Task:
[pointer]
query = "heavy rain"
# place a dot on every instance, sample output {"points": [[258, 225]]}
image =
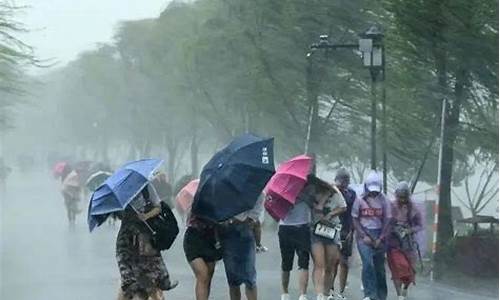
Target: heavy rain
{"points": [[211, 149]]}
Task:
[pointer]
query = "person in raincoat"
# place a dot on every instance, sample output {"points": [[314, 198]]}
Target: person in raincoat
{"points": [[371, 213], [142, 270], [328, 204], [402, 251], [341, 265]]}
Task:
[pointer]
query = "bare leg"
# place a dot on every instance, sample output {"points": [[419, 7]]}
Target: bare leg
{"points": [[303, 281], [234, 293], [158, 295], [120, 295], [203, 272], [397, 285], [257, 231], [344, 271], [331, 255], [335, 271], [318, 255], [251, 293], [285, 281]]}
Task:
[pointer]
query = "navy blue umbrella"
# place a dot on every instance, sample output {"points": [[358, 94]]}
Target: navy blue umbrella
{"points": [[231, 182]]}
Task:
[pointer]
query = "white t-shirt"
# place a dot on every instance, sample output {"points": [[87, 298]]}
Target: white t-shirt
{"points": [[300, 214]]}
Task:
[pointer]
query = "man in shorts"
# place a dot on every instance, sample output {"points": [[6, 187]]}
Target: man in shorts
{"points": [[294, 235]]}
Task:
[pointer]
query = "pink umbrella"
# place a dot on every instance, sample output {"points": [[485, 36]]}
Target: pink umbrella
{"points": [[284, 187], [185, 197], [58, 168]]}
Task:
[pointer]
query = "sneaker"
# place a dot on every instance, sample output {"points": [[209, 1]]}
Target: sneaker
{"points": [[285, 297], [303, 297], [340, 297], [321, 297], [262, 249], [367, 298], [401, 298]]}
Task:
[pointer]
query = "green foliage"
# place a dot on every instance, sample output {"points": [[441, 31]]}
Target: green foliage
{"points": [[14, 56], [216, 68]]}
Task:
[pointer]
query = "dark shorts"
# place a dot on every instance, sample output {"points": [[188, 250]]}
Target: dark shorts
{"points": [[200, 243], [238, 244], [294, 240]]}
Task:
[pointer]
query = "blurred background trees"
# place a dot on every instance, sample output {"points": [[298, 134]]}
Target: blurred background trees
{"points": [[181, 85]]}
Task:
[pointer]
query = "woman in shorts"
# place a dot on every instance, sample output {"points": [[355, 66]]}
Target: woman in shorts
{"points": [[202, 251], [327, 206]]}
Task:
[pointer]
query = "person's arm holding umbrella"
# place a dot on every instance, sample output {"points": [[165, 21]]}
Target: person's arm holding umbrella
{"points": [[154, 199]]}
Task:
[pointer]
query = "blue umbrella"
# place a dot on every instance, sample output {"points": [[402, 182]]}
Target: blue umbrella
{"points": [[120, 189], [231, 182]]}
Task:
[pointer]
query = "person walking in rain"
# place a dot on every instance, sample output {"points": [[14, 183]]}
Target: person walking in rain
{"points": [[294, 235], [371, 214], [202, 250], [325, 237], [341, 265], [238, 251], [402, 252], [72, 193], [142, 269]]}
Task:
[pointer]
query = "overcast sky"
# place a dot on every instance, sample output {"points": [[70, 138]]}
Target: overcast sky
{"points": [[60, 29]]}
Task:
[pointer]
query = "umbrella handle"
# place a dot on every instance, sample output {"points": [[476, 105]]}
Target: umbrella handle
{"points": [[146, 223]]}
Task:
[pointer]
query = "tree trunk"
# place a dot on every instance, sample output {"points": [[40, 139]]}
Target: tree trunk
{"points": [[172, 154], [445, 222]]}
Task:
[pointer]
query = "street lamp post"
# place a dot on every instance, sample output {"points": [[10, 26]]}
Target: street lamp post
{"points": [[372, 49]]}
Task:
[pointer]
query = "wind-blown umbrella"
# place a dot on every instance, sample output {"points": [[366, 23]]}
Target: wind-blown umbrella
{"points": [[184, 198], [96, 179], [233, 179], [284, 187], [120, 189]]}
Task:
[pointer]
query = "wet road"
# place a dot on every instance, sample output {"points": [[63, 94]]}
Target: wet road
{"points": [[43, 259]]}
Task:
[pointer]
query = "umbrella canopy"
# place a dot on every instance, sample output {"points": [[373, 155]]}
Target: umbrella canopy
{"points": [[233, 179], [59, 168], [96, 179], [184, 198], [286, 185], [120, 189], [290, 178]]}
